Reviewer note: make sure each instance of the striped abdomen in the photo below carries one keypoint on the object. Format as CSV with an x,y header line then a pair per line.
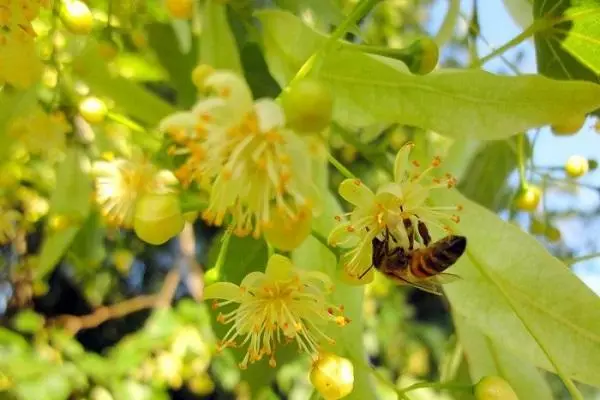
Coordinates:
x,y
437,257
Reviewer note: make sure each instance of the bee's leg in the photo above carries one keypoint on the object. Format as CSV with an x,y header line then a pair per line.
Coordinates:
x,y
410,231
424,232
366,271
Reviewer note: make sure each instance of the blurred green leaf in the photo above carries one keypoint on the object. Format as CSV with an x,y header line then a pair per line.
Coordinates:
x,y
137,68
519,295
71,202
257,73
179,65
28,321
487,357
136,101
371,89
521,11
568,48
324,13
487,173
88,250
218,47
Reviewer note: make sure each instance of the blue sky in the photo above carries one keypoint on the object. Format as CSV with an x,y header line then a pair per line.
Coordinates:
x,y
497,27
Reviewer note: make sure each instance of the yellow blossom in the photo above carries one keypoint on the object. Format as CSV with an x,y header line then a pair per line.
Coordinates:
x,y
40,132
8,224
243,153
395,203
120,183
282,304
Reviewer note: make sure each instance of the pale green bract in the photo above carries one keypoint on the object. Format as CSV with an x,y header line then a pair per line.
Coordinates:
x,y
218,49
519,295
456,103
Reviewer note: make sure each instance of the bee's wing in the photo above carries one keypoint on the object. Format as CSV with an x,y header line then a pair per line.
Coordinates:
x,y
445,277
428,285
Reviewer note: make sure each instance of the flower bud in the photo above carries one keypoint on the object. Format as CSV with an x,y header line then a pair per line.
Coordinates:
x,y
158,218
199,75
569,126
285,233
529,198
93,110
577,166
181,9
308,106
77,17
494,388
332,376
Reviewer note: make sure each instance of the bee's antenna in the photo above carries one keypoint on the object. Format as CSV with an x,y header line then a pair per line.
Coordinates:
x,y
364,273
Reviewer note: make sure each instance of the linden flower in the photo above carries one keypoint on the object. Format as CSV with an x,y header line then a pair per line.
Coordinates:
x,y
8,225
282,304
40,132
121,182
241,150
403,199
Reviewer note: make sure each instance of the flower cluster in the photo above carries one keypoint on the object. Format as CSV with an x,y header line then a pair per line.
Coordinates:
x,y
242,152
406,198
19,62
282,304
120,183
40,132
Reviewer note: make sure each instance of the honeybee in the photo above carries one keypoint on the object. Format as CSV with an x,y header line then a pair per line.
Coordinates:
x,y
422,267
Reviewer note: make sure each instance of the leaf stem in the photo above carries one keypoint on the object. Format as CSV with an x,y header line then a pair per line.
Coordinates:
x,y
323,240
340,167
361,9
521,160
215,272
521,37
575,260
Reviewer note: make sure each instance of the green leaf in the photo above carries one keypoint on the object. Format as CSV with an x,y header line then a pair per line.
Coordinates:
x,y
519,295
136,67
71,201
179,65
521,11
28,321
324,13
568,48
88,249
487,357
315,256
458,103
131,97
218,47
486,176
13,104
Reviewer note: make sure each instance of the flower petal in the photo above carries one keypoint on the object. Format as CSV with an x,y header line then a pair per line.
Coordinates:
x,y
252,280
270,115
401,162
348,279
356,193
279,267
177,120
233,88
223,290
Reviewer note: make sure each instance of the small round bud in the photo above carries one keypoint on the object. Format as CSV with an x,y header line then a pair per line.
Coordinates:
x,y
158,218
569,126
93,110
494,388
181,9
77,17
553,234
308,106
427,58
577,166
108,50
332,376
537,227
286,234
528,199
199,75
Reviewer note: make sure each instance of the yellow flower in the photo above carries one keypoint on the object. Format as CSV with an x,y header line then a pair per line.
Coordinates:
x,y
120,183
40,132
406,198
282,304
241,150
8,225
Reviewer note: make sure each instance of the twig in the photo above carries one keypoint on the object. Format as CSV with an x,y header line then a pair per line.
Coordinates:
x,y
74,323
